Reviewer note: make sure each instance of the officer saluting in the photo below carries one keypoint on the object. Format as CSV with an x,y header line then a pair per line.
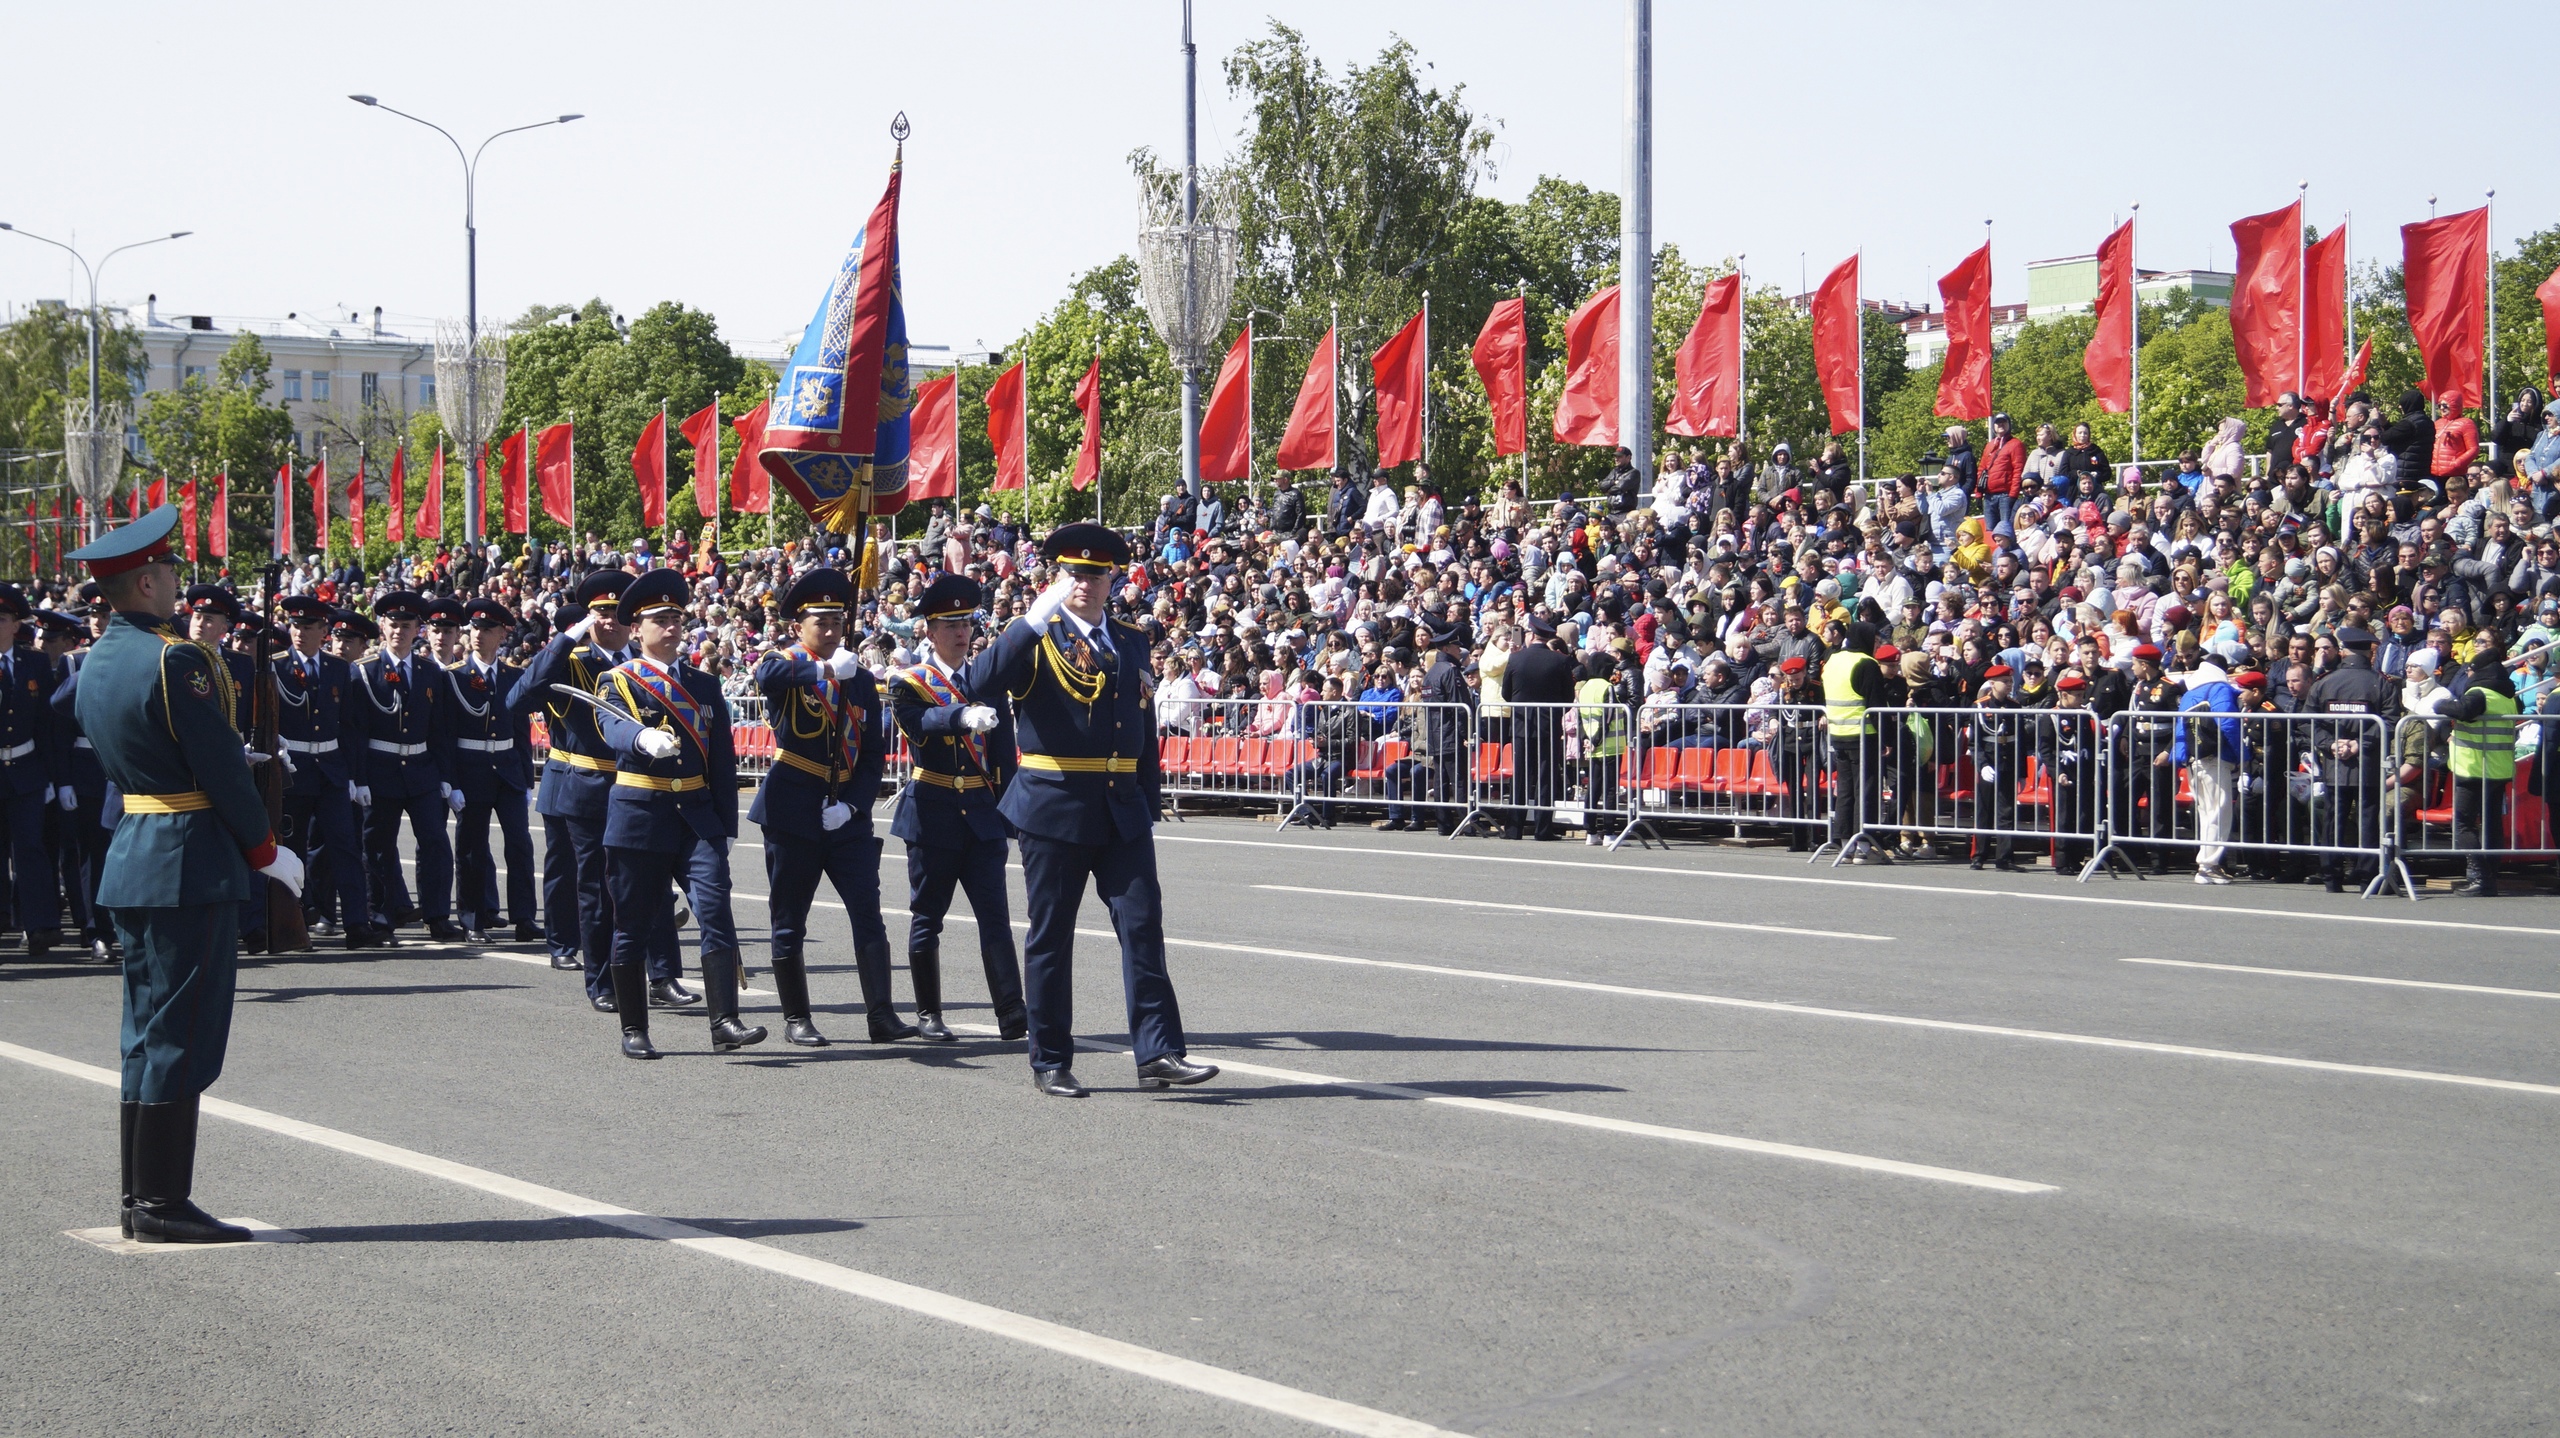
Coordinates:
x,y
672,815
829,749
155,709
320,795
493,769
948,815
1084,803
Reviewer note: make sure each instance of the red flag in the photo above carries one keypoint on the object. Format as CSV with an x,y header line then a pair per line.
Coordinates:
x,y
750,488
133,502
649,470
1226,426
284,511
159,494
1399,368
1838,339
1706,382
1964,383
1308,441
430,523
2266,303
355,505
1005,420
2354,379
1587,411
394,525
319,481
2108,361
1088,397
2444,267
933,440
186,516
554,455
55,514
2549,293
217,525
701,429
2324,315
511,483
1502,364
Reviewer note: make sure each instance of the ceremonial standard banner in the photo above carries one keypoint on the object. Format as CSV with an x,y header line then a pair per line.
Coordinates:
x,y
836,436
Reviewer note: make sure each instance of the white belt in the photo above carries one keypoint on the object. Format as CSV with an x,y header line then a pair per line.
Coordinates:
x,y
312,746
486,746
17,751
82,743
405,751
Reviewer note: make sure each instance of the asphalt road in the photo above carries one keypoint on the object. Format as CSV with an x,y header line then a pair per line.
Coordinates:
x,y
1698,1142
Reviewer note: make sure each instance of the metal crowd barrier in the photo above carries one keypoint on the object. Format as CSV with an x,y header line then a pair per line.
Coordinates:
x,y
2000,779
2300,787
2438,814
1747,766
1557,764
1307,760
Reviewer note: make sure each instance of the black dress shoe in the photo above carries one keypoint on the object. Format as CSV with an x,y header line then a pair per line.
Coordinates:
x,y
602,1003
727,1033
180,1221
802,1032
1013,1027
1174,1069
474,936
892,1031
930,1026
528,933
100,953
636,1045
403,919
1057,1083
671,994
253,942
325,928
568,963
444,931
1392,826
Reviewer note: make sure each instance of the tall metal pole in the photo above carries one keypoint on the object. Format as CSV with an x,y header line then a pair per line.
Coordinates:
x,y
1858,335
2489,277
2349,299
2133,355
2302,291
1333,403
1190,249
1426,379
1742,350
97,517
1635,248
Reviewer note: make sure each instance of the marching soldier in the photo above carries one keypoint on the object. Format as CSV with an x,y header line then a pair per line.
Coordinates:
x,y
445,615
493,759
33,776
321,820
404,709
672,815
1084,803
156,710
947,814
815,805
82,852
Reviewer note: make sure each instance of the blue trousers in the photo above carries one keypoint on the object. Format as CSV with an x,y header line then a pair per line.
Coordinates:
x,y
426,813
978,869
644,907
35,894
561,925
850,859
322,829
1124,873
180,966
476,876
594,912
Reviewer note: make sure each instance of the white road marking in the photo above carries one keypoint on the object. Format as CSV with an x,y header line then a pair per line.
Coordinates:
x,y
1935,891
1508,907
2351,978
1092,1348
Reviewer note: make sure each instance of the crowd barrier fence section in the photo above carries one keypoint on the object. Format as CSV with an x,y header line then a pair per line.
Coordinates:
x,y
2009,782
2293,793
1742,766
2480,817
1556,764
1308,759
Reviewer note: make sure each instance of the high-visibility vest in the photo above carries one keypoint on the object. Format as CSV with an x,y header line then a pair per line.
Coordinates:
x,y
2485,748
1604,724
1848,711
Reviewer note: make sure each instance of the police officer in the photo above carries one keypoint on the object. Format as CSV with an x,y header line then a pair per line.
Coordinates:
x,y
1997,757
1084,803
493,759
948,813
2150,787
192,832
1851,683
81,850
830,746
2483,759
313,688
405,711
2355,750
672,815
34,776
1537,674
1449,705
2067,742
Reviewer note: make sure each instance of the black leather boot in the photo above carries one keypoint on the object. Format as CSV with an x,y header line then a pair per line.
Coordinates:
x,y
631,1004
164,1169
791,981
124,1157
720,995
924,970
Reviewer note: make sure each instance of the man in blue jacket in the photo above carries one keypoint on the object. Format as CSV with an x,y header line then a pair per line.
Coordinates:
x,y
2216,753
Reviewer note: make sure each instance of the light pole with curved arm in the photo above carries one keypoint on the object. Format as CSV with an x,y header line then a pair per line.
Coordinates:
x,y
472,487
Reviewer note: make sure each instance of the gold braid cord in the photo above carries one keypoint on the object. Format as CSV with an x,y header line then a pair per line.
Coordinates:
x,y
1081,686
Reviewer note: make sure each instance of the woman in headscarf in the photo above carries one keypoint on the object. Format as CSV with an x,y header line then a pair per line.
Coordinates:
x,y
2223,458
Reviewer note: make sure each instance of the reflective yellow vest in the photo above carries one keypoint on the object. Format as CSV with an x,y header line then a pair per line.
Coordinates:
x,y
2485,748
1848,712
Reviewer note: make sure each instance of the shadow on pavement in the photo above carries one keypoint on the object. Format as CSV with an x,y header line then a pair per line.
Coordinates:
x,y
286,996
557,1230
1319,1041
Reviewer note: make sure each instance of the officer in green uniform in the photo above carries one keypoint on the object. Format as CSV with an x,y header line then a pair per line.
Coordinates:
x,y
158,711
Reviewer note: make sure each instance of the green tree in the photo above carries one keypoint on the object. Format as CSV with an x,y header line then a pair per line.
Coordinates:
x,y
202,430
44,366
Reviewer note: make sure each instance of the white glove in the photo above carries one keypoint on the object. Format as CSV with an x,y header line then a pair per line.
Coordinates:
x,y
285,757
68,797
454,799
844,664
2245,783
1051,600
977,718
360,793
657,744
253,756
286,869
1990,774
835,816
580,630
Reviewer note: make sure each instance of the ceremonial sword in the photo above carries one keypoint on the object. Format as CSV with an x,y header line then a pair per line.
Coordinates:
x,y
598,701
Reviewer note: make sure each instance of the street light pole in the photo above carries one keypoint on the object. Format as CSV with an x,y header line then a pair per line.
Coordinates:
x,y
96,520
472,487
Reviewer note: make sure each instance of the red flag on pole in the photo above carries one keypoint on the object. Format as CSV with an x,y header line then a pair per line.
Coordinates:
x,y
284,511
1838,340
1308,441
933,440
430,523
55,514
2108,361
186,516
1226,426
554,468
1706,383
1964,384
355,505
2444,267
2266,303
319,480
395,526
649,470
159,494
1502,363
2324,315
1399,369
750,488
2549,293
1587,411
701,429
2354,378
133,502
1088,397
217,525
519,517
1005,421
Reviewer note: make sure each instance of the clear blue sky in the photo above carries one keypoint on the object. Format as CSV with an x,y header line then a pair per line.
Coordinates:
x,y
710,170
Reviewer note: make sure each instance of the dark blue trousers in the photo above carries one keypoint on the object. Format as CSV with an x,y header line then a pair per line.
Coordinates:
x,y
476,876
322,829
426,813
180,966
36,897
644,907
1054,874
561,924
850,859
978,869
